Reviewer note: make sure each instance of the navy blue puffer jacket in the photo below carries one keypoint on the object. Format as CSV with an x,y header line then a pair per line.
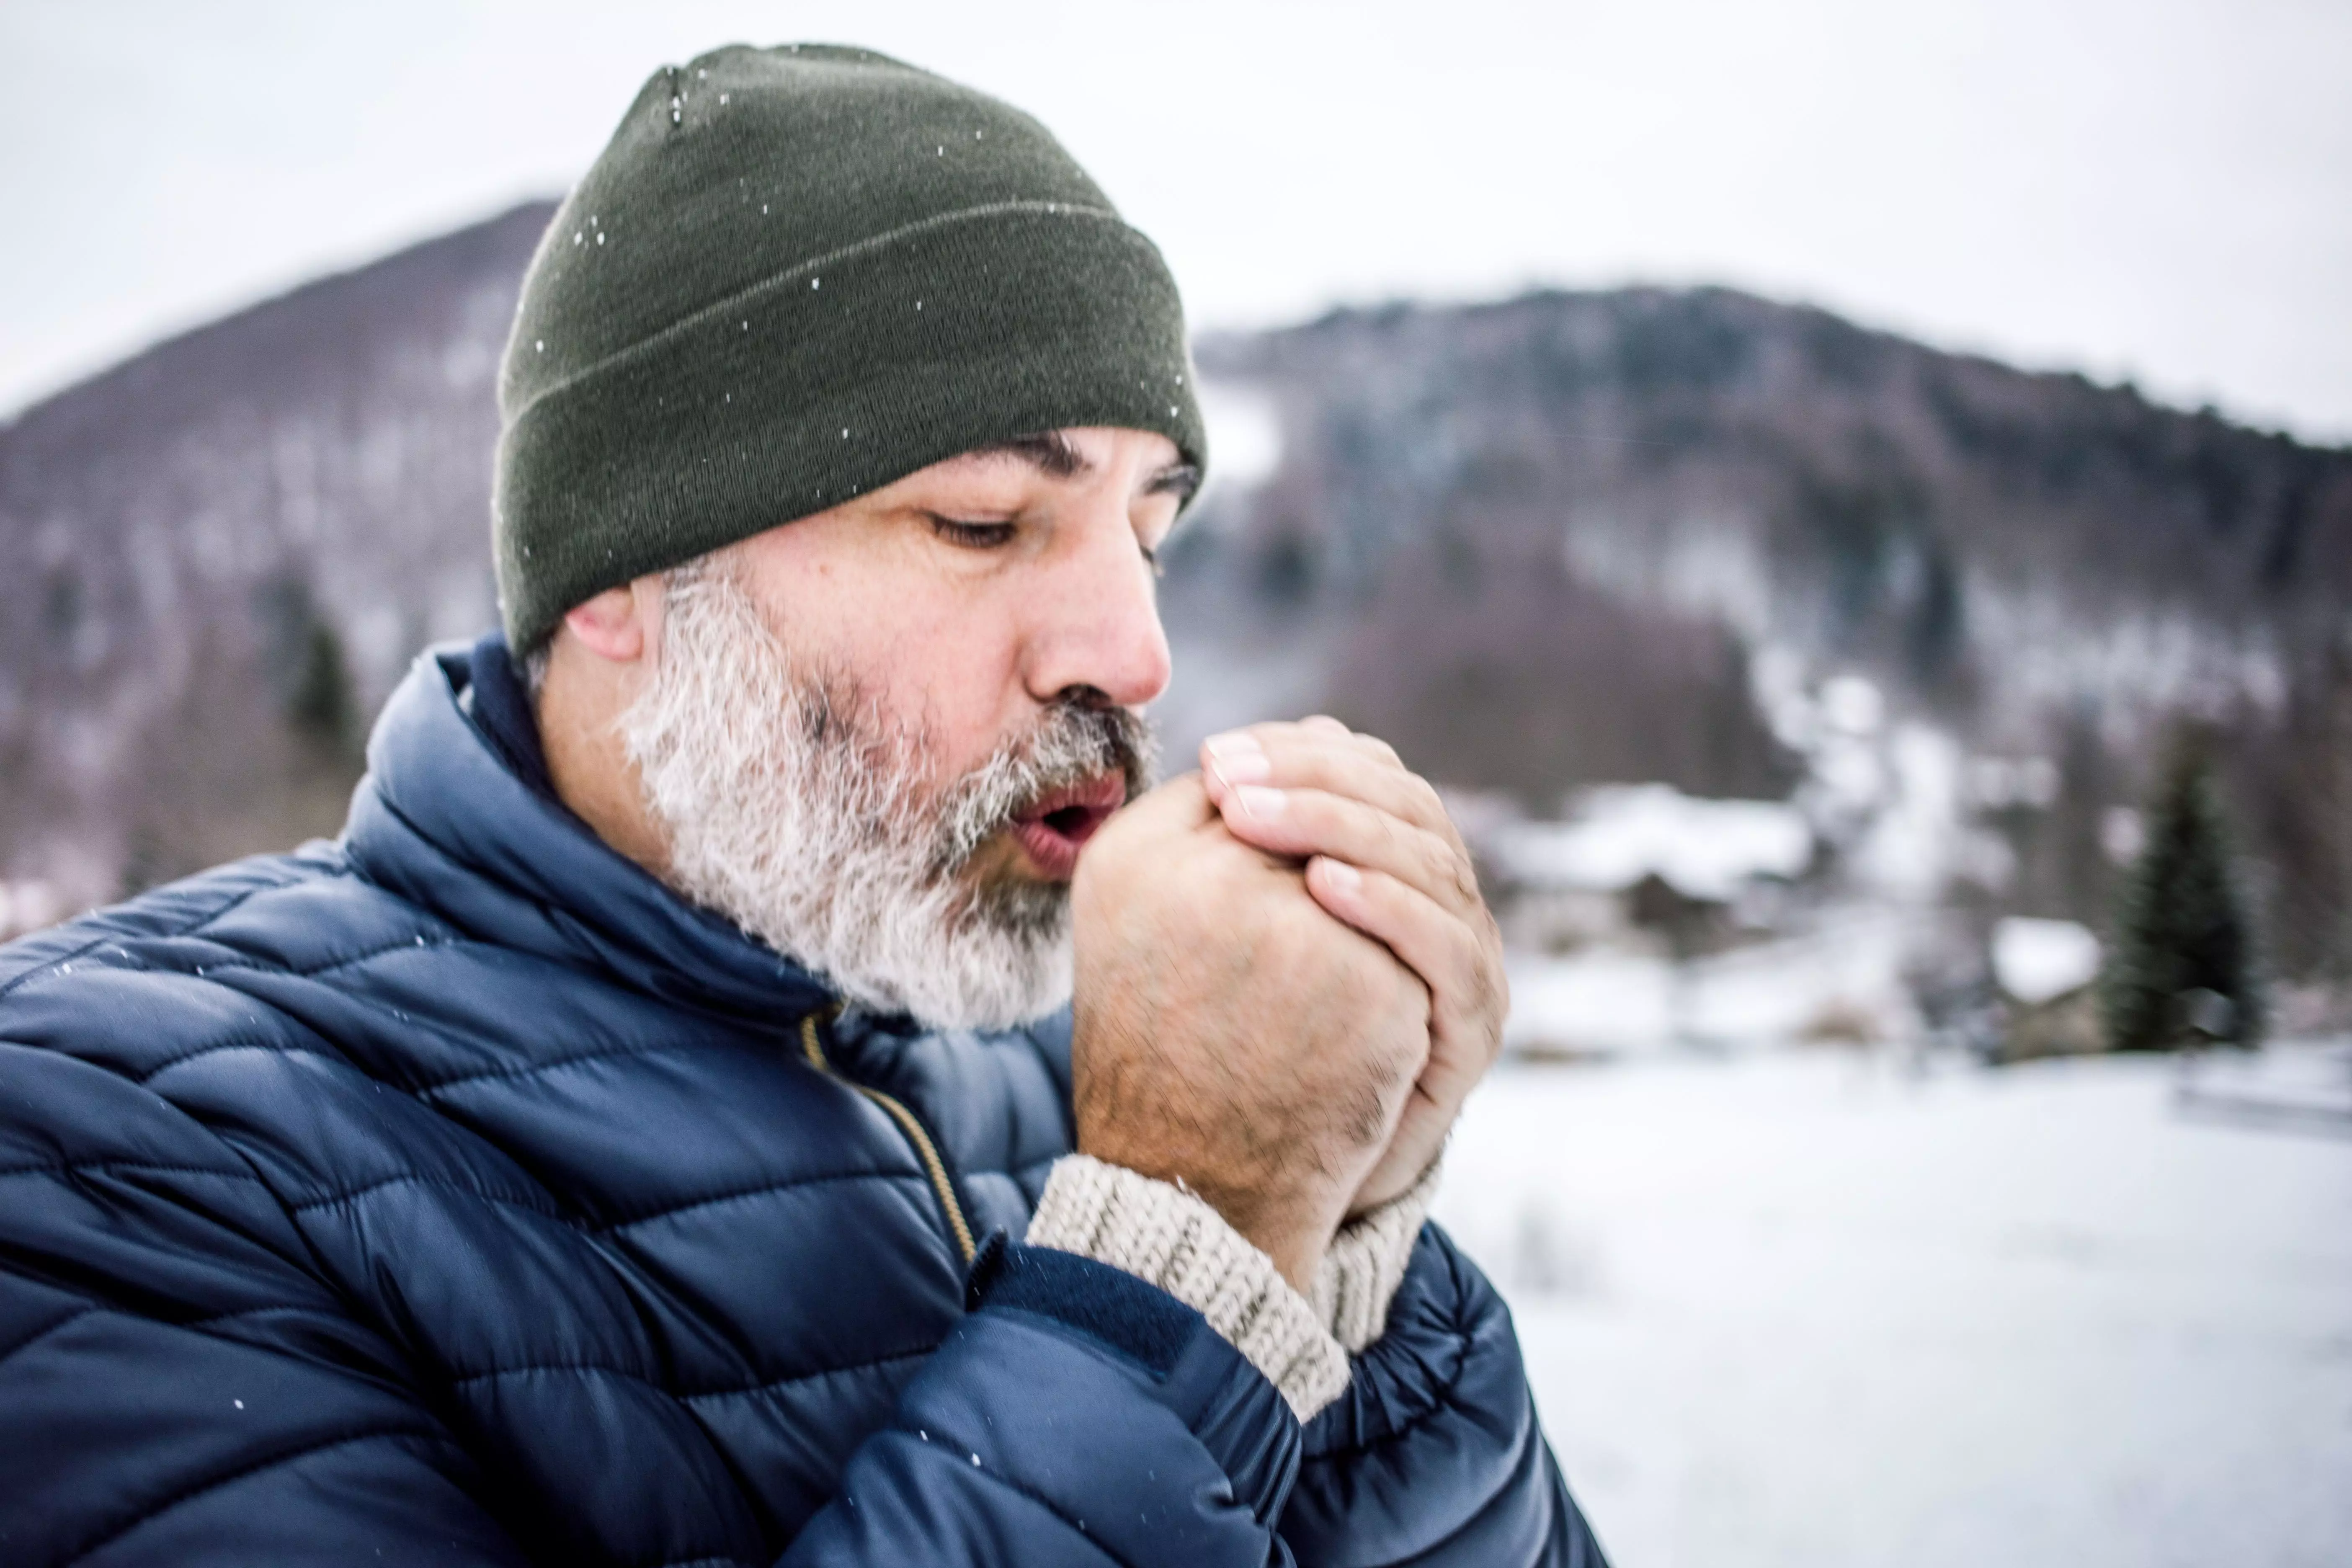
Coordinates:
x,y
455,1193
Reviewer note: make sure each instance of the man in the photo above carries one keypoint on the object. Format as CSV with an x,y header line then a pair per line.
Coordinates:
x,y
612,1149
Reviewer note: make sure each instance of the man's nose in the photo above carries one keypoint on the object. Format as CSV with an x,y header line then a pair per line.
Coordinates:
x,y
1096,621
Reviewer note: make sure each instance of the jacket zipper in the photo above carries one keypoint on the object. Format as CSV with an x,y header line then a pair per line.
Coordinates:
x,y
909,1124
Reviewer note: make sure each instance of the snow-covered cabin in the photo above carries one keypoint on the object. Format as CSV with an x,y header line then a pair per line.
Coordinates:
x,y
1629,852
2046,971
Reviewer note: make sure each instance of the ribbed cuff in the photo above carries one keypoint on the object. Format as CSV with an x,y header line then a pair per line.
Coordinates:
x,y
1168,1238
1360,1275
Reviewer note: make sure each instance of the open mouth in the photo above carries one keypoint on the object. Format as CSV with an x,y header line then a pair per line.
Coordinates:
x,y
1056,826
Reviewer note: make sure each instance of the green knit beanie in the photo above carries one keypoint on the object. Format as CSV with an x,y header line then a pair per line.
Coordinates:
x,y
794,275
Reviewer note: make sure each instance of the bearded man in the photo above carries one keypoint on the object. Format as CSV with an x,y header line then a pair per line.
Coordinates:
x,y
612,1149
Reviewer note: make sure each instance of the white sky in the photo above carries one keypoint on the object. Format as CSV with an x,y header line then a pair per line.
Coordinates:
x,y
2160,189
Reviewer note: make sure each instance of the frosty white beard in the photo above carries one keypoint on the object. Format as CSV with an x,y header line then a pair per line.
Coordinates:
x,y
793,809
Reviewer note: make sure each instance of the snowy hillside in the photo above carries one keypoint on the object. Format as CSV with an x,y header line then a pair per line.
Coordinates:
x,y
1808,1311
1653,536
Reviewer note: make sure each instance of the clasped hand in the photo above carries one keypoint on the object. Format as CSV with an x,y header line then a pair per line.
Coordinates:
x,y
1287,983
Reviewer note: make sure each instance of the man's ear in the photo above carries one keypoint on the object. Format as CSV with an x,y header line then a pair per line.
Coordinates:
x,y
597,663
618,624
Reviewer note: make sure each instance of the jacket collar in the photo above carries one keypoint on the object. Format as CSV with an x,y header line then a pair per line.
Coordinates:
x,y
442,820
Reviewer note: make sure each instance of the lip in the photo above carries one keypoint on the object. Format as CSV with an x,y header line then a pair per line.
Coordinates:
x,y
1052,828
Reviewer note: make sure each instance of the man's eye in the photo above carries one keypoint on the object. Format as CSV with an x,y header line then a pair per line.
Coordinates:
x,y
973,535
1151,559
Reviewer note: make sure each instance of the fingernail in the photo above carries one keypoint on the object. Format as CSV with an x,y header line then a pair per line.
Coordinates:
x,y
1343,877
1261,803
1233,744
1239,767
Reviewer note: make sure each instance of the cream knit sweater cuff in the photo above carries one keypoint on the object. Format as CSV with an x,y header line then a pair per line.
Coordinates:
x,y
1168,1238
1360,1275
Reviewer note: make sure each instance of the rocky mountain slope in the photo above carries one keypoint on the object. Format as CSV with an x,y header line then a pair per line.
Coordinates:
x,y
1563,539
225,551
1575,538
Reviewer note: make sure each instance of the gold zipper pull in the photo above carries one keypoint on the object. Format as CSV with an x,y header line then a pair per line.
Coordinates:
x,y
909,1124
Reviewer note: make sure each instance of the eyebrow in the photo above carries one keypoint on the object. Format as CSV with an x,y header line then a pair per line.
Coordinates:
x,y
1050,453
1181,480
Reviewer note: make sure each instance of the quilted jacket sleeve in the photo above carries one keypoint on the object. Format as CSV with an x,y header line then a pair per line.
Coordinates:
x,y
1433,1454
1078,1416
176,1386
1082,1417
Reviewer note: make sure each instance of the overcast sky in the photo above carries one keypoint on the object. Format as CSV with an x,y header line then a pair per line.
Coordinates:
x,y
2160,189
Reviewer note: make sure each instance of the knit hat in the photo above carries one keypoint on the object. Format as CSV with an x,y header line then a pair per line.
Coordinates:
x,y
796,275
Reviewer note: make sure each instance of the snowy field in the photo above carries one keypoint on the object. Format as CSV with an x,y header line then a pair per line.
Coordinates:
x,y
1816,1308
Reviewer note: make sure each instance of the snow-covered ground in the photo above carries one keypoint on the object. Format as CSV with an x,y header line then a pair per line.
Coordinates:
x,y
1816,1308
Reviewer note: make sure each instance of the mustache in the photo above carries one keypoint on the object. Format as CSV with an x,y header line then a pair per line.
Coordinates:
x,y
1072,742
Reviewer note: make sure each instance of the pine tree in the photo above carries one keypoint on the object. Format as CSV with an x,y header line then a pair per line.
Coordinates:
x,y
2182,963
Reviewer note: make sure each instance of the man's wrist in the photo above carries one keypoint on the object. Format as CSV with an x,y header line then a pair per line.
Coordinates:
x,y
1173,1238
1268,1224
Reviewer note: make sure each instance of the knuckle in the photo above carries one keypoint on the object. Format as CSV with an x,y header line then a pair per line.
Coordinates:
x,y
1320,813
1426,805
1437,870
1272,739
1441,868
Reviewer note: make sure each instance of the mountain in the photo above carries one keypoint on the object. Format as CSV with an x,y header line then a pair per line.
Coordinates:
x,y
227,551
1559,540
1989,539
1575,538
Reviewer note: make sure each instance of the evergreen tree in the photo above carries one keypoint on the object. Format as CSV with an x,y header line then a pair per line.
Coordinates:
x,y
2182,968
